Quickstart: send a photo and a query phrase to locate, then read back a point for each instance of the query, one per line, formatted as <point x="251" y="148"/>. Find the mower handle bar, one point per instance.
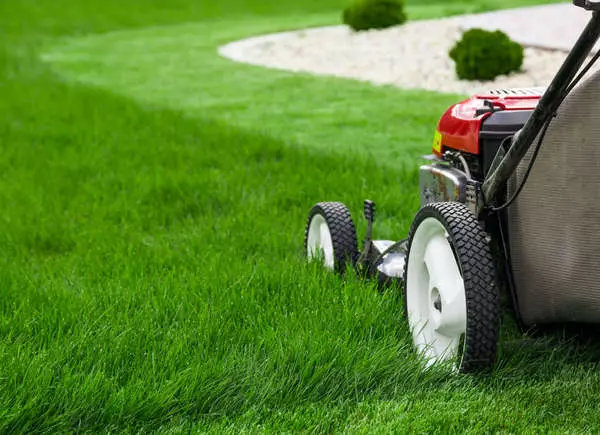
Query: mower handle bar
<point x="546" y="108"/>
<point x="589" y="5"/>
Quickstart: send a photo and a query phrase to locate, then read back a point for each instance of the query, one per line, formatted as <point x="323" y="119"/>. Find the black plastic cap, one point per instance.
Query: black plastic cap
<point x="369" y="210"/>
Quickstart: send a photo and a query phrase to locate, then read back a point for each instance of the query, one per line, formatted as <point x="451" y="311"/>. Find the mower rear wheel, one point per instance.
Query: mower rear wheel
<point x="330" y="236"/>
<point x="451" y="296"/>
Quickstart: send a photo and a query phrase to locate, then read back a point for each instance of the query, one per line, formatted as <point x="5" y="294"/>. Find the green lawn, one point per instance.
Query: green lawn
<point x="152" y="204"/>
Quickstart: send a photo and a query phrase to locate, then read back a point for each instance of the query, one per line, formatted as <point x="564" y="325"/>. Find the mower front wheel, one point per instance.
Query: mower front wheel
<point x="330" y="236"/>
<point x="451" y="296"/>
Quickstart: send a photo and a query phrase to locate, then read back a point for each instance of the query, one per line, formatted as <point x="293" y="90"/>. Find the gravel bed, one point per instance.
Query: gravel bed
<point x="414" y="55"/>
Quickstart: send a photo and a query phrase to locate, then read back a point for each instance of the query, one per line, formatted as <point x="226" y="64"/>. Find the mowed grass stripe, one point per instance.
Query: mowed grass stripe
<point x="178" y="67"/>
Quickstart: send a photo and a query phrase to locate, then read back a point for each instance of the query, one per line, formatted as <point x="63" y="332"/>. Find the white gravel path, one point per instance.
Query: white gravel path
<point x="415" y="55"/>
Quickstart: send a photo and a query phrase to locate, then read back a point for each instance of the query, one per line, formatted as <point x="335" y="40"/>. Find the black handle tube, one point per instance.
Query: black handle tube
<point x="545" y="109"/>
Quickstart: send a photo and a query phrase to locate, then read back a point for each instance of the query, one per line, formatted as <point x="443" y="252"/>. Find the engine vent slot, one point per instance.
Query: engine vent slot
<point x="518" y="92"/>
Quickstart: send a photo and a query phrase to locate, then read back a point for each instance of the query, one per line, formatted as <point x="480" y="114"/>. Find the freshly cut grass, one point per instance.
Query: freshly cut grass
<point x="177" y="67"/>
<point x="152" y="206"/>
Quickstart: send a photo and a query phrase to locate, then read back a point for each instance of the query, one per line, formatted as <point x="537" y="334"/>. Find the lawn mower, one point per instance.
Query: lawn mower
<point x="510" y="203"/>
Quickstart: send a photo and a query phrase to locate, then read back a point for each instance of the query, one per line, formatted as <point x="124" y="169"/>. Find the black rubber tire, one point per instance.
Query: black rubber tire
<point x="342" y="230"/>
<point x="475" y="262"/>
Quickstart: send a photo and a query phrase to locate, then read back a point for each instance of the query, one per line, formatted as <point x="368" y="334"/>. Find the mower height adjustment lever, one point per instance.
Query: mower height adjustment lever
<point x="369" y="210"/>
<point x="369" y="213"/>
<point x="589" y="5"/>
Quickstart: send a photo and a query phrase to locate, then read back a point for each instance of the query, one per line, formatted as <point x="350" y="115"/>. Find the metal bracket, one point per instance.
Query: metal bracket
<point x="474" y="197"/>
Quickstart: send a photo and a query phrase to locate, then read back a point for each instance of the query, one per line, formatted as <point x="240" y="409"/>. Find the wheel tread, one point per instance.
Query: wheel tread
<point x="342" y="229"/>
<point x="479" y="275"/>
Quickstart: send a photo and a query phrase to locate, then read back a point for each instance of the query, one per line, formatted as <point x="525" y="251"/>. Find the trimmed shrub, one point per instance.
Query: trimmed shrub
<point x="374" y="14"/>
<point x="484" y="55"/>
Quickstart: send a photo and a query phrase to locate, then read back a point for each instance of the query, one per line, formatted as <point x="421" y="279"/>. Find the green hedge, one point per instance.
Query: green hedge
<point x="374" y="14"/>
<point x="484" y="55"/>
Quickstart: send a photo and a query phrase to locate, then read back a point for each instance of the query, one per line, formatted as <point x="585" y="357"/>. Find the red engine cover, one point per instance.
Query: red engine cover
<point x="460" y="126"/>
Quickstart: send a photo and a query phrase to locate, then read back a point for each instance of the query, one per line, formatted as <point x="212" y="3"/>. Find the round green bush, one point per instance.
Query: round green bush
<point x="374" y="14"/>
<point x="484" y="55"/>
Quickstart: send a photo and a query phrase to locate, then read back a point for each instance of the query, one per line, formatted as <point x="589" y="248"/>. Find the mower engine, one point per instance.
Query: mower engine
<point x="468" y="138"/>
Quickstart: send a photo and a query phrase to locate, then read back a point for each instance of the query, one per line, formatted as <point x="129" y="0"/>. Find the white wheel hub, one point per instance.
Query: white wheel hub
<point x="435" y="294"/>
<point x="319" y="244"/>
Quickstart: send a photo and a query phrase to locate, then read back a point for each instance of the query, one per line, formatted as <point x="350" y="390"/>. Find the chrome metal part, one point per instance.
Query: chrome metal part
<point x="392" y="263"/>
<point x="440" y="183"/>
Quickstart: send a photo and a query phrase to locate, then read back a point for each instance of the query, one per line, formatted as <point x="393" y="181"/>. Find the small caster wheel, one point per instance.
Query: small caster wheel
<point x="330" y="236"/>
